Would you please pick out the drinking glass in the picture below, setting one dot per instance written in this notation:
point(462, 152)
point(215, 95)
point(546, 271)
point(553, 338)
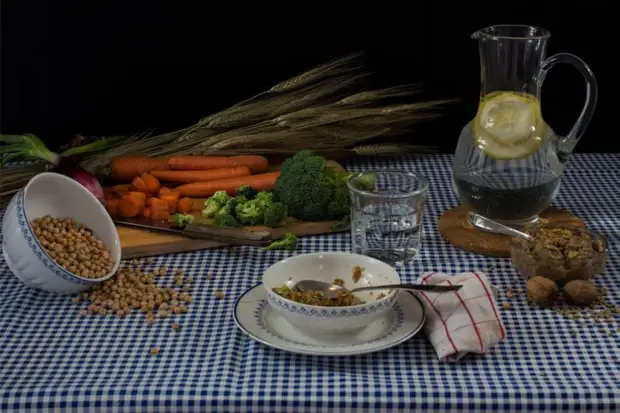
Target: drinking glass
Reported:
point(386, 221)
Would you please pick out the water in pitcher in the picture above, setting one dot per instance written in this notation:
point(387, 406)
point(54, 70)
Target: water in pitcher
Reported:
point(508, 163)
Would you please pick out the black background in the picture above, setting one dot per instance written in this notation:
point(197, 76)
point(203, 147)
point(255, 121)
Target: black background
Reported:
point(108, 68)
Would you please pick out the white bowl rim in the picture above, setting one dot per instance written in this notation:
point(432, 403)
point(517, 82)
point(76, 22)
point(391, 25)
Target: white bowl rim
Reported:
point(106, 217)
point(332, 253)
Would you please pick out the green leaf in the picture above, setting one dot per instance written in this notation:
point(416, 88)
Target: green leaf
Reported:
point(26, 145)
point(11, 138)
point(95, 146)
point(12, 147)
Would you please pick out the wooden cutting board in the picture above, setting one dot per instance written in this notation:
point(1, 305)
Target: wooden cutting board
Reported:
point(142, 243)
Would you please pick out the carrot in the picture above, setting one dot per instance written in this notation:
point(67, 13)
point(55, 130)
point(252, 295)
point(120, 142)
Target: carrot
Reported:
point(159, 209)
point(111, 206)
point(200, 163)
point(160, 214)
point(139, 184)
point(146, 213)
point(256, 163)
point(155, 202)
point(130, 206)
point(201, 176)
point(129, 167)
point(152, 183)
point(259, 182)
point(139, 196)
point(171, 198)
point(122, 189)
point(164, 190)
point(185, 205)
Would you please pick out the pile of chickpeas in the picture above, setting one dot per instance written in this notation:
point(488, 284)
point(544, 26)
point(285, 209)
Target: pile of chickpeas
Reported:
point(73, 246)
point(133, 289)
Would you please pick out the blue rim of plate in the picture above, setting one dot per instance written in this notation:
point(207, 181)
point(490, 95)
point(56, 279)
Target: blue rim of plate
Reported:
point(263, 304)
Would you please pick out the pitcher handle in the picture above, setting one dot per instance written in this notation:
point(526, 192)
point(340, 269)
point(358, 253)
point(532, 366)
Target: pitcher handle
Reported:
point(567, 144)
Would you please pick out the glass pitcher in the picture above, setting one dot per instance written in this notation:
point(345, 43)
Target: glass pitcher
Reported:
point(508, 161)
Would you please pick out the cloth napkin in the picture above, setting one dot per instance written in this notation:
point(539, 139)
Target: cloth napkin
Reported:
point(464, 321)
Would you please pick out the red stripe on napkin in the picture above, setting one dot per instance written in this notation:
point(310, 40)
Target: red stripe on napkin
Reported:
point(471, 317)
point(491, 303)
point(445, 325)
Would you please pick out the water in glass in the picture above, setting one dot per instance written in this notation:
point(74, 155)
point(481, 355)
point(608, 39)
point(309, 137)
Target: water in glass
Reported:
point(386, 222)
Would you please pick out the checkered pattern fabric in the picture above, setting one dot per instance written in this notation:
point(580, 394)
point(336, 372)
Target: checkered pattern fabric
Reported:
point(53, 360)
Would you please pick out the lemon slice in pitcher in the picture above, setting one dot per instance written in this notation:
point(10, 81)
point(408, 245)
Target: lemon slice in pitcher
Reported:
point(508, 125)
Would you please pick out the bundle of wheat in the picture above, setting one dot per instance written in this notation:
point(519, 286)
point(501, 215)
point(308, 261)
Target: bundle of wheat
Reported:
point(321, 109)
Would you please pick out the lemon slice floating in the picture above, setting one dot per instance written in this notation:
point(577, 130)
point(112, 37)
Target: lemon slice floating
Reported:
point(508, 125)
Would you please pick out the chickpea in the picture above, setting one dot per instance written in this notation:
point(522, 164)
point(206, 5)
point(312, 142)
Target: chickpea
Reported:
point(73, 247)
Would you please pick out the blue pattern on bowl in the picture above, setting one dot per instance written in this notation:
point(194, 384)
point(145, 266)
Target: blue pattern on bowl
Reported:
point(37, 249)
point(260, 320)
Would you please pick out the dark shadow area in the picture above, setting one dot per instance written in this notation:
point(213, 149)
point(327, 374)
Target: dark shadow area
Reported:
point(108, 68)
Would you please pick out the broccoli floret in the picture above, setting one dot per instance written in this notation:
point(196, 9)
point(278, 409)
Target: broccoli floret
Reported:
point(225, 220)
point(311, 190)
point(181, 220)
point(246, 191)
point(338, 207)
point(241, 199)
point(275, 214)
point(212, 206)
point(264, 199)
point(232, 203)
point(249, 213)
point(288, 242)
point(221, 197)
point(365, 182)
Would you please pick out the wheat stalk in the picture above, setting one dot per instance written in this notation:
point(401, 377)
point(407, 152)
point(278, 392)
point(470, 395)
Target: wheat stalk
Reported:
point(321, 109)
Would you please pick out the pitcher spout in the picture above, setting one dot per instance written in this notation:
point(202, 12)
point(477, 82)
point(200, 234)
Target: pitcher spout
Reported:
point(510, 58)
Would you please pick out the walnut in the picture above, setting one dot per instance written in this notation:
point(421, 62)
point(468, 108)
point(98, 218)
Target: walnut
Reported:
point(541, 290)
point(581, 292)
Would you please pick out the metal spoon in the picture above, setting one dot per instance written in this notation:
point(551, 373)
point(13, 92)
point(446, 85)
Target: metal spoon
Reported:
point(487, 224)
point(332, 290)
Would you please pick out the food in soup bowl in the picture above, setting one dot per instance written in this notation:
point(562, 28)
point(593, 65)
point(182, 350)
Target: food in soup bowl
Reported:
point(313, 311)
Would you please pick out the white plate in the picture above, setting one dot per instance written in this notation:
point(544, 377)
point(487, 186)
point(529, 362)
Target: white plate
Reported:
point(255, 317)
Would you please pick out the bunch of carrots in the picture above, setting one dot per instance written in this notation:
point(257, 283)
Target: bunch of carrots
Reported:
point(185, 177)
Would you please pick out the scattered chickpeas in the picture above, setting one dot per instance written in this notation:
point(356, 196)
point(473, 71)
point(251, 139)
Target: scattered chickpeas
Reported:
point(219, 295)
point(154, 350)
point(175, 326)
point(506, 305)
point(133, 290)
point(73, 246)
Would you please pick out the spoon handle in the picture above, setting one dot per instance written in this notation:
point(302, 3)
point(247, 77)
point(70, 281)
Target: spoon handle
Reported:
point(412, 287)
point(489, 225)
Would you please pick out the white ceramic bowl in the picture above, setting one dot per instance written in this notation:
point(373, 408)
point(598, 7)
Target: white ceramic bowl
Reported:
point(61, 197)
point(328, 266)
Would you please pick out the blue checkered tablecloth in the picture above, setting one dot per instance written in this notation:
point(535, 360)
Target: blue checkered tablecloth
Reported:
point(53, 360)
